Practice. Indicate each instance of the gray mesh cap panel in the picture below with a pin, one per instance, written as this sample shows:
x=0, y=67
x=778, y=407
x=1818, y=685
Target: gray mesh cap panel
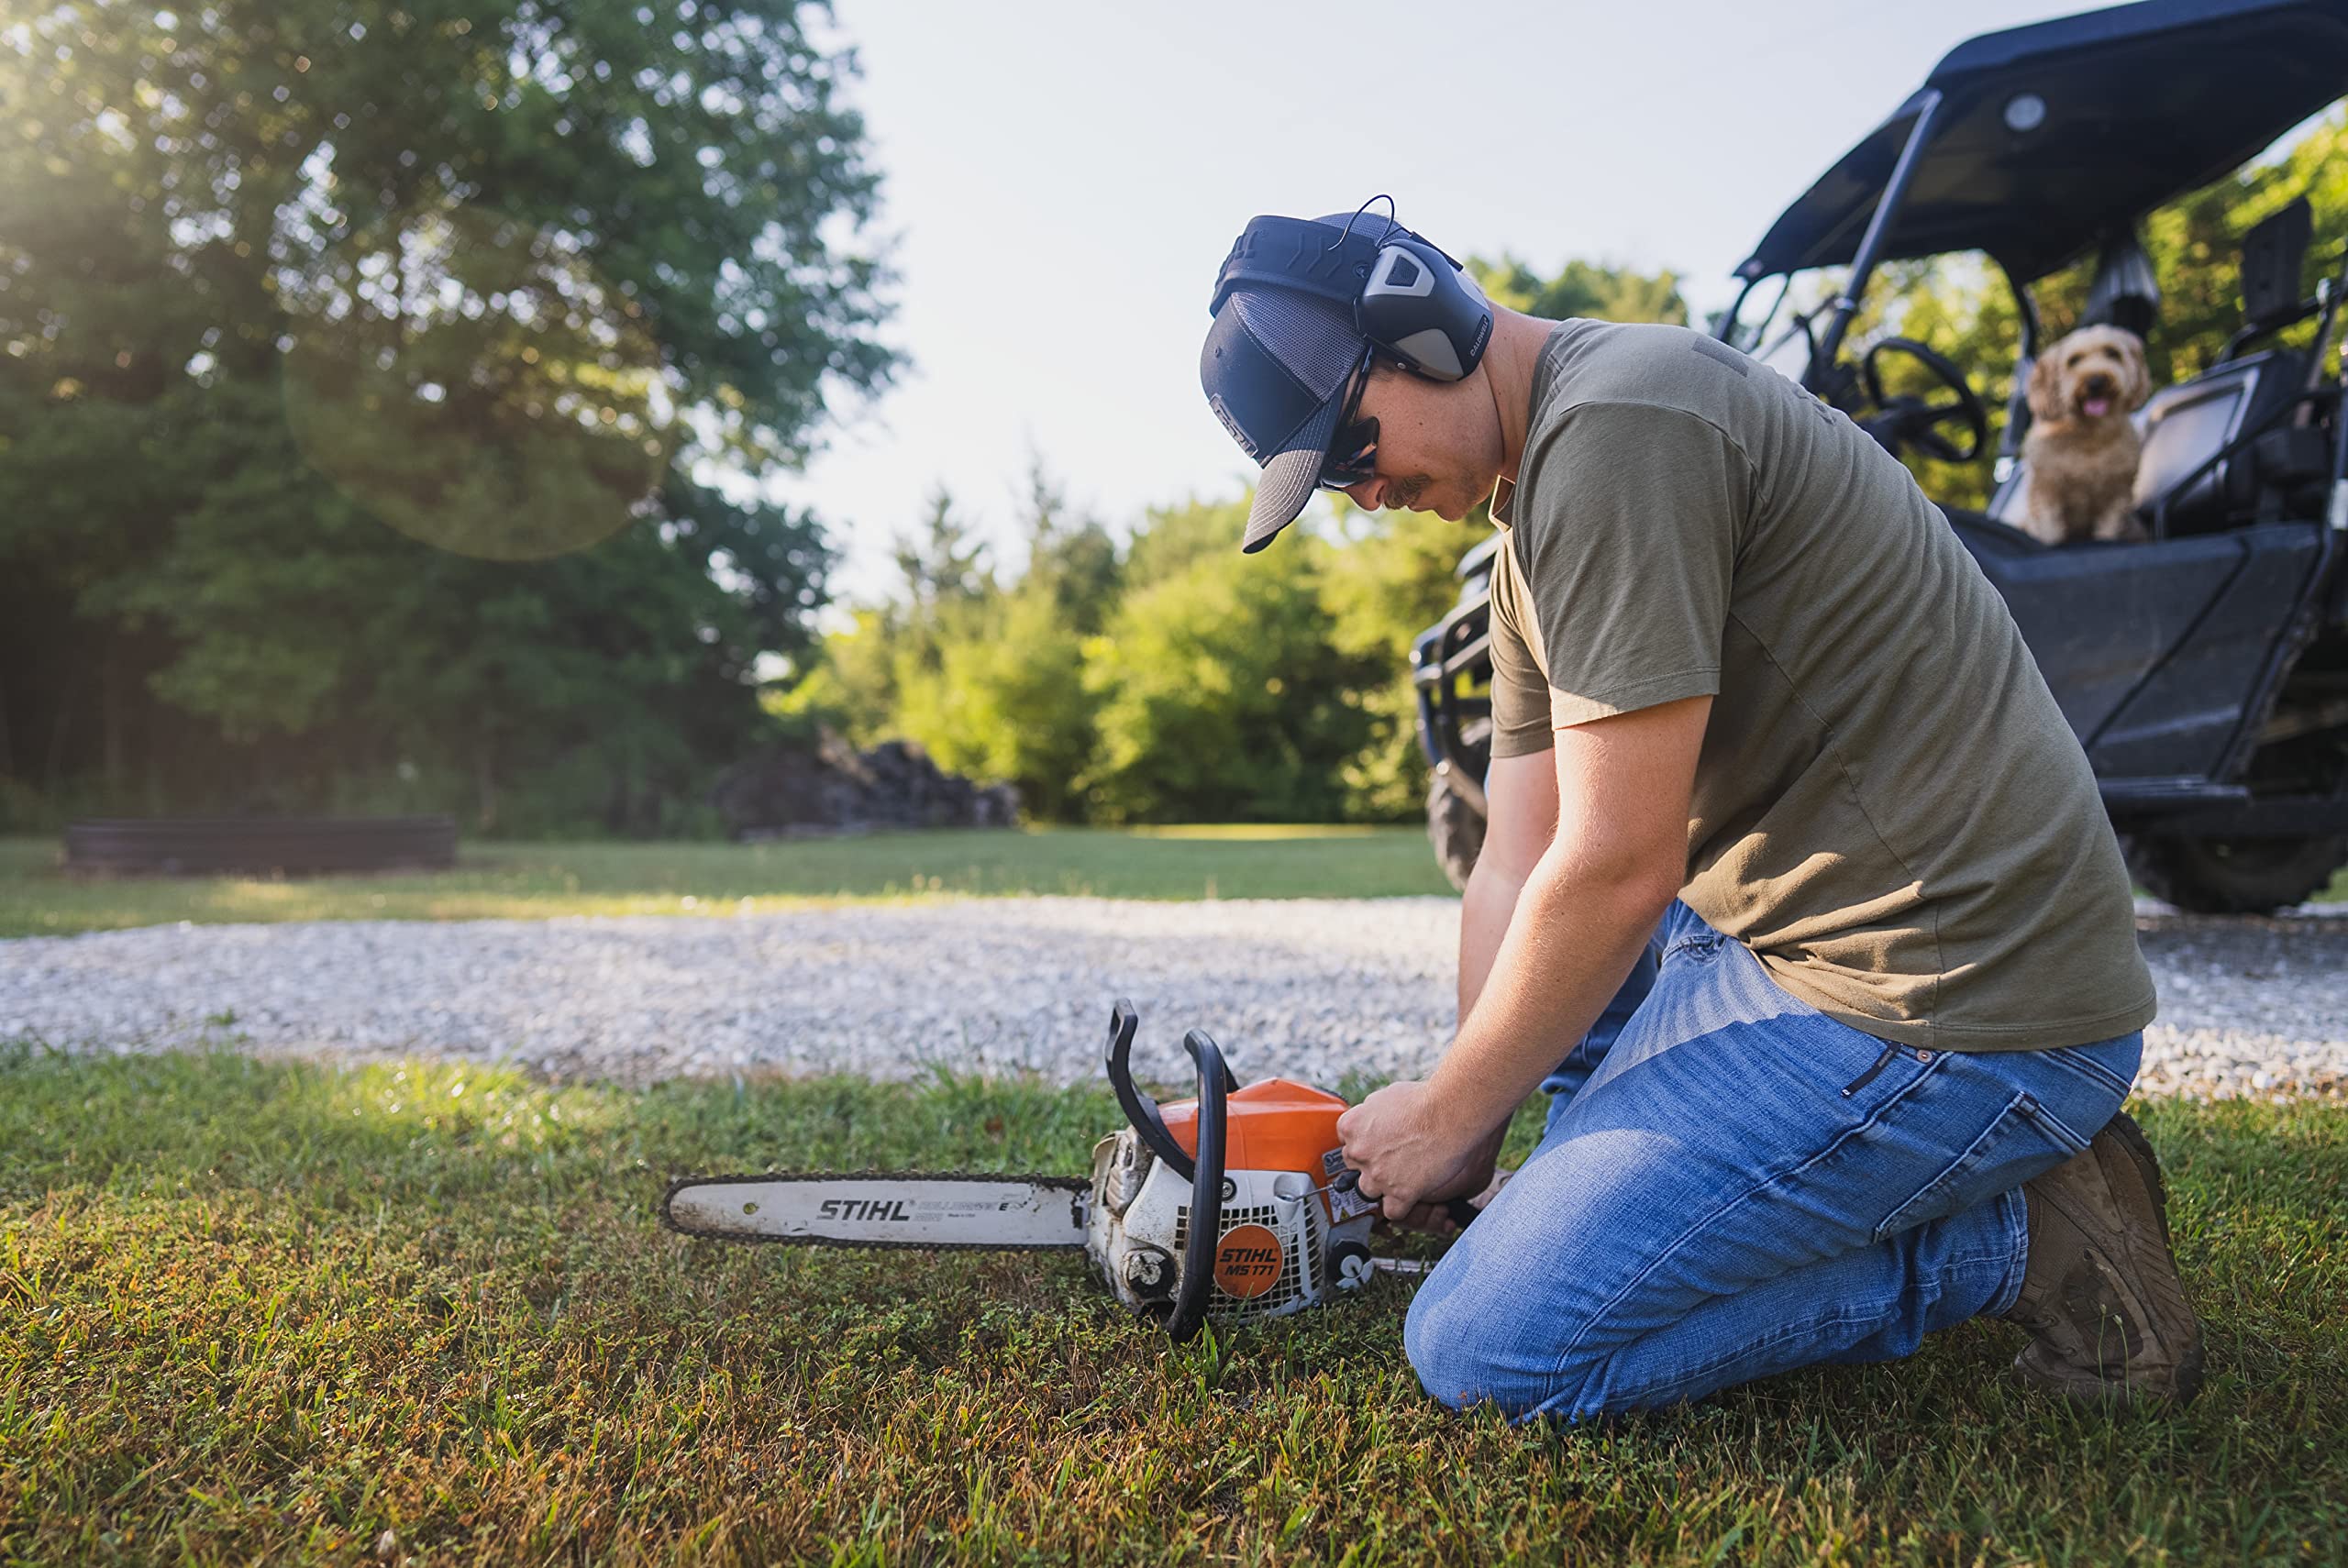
x=1316, y=341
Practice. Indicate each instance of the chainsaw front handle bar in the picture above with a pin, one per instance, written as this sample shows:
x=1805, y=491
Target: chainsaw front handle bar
x=1205, y=1231
x=1141, y=1112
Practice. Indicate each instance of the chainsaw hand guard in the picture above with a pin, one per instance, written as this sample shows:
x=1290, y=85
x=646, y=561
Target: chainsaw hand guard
x=1141, y=1112
x=1188, y=1309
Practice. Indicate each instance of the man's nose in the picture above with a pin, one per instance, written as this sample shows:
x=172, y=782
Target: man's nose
x=1365, y=495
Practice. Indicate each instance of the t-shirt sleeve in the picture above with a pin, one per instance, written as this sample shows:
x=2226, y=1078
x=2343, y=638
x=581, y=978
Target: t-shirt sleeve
x=1520, y=691
x=1628, y=545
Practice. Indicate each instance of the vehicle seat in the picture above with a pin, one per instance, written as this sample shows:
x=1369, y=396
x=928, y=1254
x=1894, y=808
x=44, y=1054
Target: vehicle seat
x=2184, y=424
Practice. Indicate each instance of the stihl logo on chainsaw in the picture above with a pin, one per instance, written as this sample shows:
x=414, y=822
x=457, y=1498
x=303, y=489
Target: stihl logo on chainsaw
x=863, y=1209
x=1247, y=1261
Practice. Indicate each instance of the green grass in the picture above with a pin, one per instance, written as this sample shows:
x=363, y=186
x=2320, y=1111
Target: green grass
x=534, y=881
x=260, y=1311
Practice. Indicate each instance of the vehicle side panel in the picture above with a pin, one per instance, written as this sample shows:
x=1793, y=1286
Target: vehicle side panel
x=2151, y=649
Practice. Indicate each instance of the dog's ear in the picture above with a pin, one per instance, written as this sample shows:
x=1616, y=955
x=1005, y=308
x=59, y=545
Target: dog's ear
x=2139, y=376
x=2046, y=391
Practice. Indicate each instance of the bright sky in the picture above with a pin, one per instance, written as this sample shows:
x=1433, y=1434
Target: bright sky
x=1062, y=180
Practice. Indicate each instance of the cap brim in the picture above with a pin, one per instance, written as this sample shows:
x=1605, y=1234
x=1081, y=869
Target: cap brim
x=1290, y=475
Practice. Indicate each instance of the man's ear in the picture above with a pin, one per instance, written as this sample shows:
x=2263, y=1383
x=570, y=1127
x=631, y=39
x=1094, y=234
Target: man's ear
x=2046, y=387
x=2139, y=375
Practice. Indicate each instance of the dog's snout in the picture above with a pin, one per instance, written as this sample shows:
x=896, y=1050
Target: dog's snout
x=2098, y=384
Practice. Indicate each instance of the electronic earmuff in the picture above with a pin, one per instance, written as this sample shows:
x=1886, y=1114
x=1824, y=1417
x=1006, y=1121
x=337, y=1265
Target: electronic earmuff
x=1410, y=299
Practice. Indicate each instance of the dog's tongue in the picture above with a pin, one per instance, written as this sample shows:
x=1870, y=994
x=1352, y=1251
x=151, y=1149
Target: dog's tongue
x=2096, y=407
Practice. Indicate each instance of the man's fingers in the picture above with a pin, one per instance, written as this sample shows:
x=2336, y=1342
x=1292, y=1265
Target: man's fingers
x=1432, y=1219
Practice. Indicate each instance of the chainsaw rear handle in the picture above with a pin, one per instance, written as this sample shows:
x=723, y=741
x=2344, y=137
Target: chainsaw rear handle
x=1459, y=1209
x=1205, y=1233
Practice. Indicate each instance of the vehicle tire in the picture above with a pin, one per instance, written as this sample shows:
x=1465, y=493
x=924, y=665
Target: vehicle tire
x=2234, y=875
x=1455, y=828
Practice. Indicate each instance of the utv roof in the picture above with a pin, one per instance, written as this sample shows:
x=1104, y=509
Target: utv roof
x=2136, y=103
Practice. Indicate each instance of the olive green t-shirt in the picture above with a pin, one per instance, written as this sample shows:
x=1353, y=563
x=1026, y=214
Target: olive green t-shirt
x=1888, y=809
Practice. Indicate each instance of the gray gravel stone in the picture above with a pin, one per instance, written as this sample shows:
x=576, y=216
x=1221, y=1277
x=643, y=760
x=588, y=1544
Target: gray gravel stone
x=1313, y=989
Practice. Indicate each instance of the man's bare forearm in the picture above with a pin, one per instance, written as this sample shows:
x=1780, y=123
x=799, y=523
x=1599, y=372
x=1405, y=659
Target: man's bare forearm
x=1567, y=938
x=1484, y=911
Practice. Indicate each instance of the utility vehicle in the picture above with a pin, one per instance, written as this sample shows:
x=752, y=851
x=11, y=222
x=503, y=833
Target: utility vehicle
x=2205, y=669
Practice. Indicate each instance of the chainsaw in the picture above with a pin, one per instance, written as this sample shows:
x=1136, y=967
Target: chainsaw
x=1236, y=1205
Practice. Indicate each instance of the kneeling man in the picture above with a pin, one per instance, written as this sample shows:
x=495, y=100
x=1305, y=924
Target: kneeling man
x=1796, y=894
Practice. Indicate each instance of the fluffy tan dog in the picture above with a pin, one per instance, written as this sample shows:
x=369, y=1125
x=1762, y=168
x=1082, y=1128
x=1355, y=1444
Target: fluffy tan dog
x=2081, y=450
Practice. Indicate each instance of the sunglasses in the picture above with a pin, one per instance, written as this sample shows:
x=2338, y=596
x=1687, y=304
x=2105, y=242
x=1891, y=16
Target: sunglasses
x=1353, y=452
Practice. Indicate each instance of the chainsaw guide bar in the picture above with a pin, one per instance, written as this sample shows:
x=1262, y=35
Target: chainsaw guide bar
x=998, y=1212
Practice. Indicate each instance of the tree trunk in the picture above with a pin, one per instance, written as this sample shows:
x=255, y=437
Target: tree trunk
x=485, y=783
x=110, y=718
x=57, y=738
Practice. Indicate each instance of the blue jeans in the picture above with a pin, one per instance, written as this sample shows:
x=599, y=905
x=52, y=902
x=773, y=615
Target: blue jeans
x=1732, y=1183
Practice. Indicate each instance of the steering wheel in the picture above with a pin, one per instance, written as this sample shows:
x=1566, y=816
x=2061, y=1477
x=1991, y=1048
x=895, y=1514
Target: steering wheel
x=1911, y=418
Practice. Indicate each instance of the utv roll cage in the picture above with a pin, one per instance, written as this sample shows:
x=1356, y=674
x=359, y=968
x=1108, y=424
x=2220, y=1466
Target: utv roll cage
x=2205, y=671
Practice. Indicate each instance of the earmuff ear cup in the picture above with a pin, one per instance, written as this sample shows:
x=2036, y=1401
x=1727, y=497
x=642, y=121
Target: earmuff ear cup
x=1423, y=310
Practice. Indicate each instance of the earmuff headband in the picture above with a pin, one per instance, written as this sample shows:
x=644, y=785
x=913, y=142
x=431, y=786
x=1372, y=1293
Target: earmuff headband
x=1292, y=253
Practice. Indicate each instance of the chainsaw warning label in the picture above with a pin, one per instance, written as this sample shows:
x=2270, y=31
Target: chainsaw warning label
x=1344, y=1202
x=1247, y=1261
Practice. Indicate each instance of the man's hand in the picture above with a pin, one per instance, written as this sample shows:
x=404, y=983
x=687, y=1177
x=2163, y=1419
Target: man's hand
x=1411, y=1157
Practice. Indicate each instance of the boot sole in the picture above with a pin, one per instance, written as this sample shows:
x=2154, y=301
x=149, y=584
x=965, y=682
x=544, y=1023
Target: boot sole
x=2158, y=1279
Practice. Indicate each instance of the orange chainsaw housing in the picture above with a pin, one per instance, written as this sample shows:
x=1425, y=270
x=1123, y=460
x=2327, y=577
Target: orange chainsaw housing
x=1273, y=1124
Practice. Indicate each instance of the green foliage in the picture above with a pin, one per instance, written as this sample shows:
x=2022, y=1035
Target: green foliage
x=1186, y=681
x=1396, y=576
x=1582, y=289
x=1007, y=699
x=1222, y=695
x=355, y=376
x=268, y=1311
x=1172, y=539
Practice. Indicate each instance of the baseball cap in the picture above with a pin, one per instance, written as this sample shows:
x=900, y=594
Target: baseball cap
x=1275, y=368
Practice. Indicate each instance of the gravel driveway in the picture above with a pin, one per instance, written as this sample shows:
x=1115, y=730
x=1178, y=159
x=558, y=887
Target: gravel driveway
x=1309, y=987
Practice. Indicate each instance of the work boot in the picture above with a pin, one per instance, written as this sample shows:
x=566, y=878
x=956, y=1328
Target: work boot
x=2100, y=1292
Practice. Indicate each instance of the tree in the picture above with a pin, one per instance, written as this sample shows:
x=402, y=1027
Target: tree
x=1071, y=561
x=424, y=330
x=1222, y=697
x=1582, y=289
x=1393, y=577
x=943, y=562
x=988, y=676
